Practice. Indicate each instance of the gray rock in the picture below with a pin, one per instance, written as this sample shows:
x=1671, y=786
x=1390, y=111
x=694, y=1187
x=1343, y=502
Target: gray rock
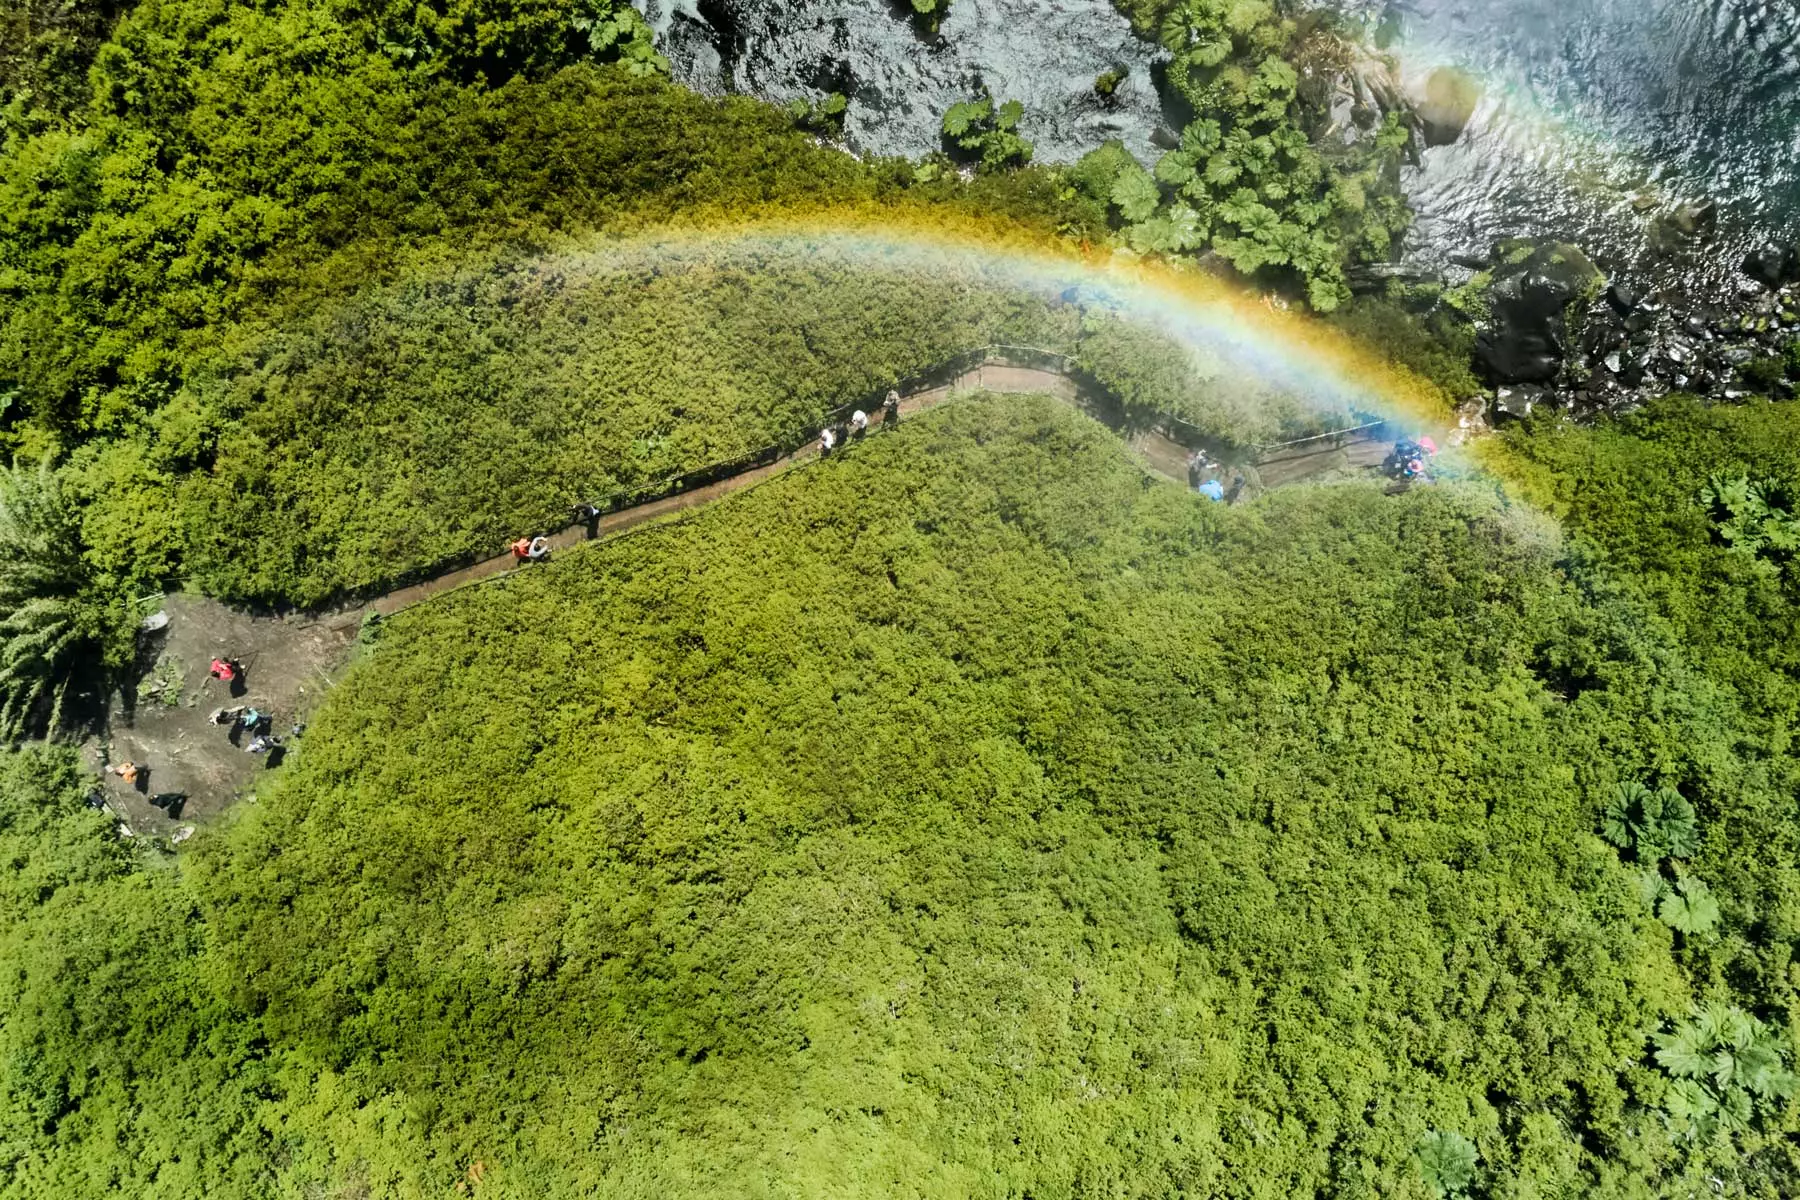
x=1449, y=100
x=1772, y=265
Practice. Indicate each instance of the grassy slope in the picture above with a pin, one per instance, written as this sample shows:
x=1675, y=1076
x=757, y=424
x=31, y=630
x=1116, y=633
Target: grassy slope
x=1003, y=825
x=419, y=422
x=962, y=816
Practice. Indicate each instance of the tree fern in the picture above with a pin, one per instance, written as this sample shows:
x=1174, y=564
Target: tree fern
x=1447, y=1161
x=51, y=625
x=1689, y=907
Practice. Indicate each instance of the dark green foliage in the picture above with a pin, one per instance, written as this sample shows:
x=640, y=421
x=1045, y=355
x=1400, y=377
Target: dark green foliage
x=45, y=51
x=59, y=627
x=1729, y=1070
x=824, y=117
x=1447, y=1161
x=987, y=132
x=491, y=40
x=244, y=161
x=1655, y=824
x=1756, y=517
x=1247, y=181
x=1765, y=374
x=1107, y=82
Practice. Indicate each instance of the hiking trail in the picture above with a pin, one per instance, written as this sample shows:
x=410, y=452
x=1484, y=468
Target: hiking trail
x=291, y=661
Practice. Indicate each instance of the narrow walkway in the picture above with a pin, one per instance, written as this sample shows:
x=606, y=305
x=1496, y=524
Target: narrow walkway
x=1157, y=451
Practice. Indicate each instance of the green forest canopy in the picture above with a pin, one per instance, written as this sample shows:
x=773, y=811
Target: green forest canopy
x=962, y=816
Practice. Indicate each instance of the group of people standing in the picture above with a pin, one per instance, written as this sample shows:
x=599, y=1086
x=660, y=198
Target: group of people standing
x=833, y=436
x=1205, y=476
x=242, y=719
x=1409, y=459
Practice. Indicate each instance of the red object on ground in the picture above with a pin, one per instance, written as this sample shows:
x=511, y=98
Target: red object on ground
x=222, y=670
x=521, y=548
x=1427, y=445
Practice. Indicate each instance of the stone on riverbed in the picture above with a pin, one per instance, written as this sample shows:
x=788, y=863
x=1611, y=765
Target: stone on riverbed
x=1535, y=299
x=1773, y=265
x=1449, y=101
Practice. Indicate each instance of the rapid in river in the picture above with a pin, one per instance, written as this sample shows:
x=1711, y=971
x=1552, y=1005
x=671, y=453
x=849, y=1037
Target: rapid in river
x=1661, y=135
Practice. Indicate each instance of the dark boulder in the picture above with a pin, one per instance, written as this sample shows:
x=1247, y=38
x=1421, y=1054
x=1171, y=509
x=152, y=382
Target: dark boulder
x=1535, y=299
x=1772, y=265
x=1517, y=402
x=1623, y=298
x=1449, y=101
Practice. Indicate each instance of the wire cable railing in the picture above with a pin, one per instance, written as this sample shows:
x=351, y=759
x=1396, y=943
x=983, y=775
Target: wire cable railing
x=946, y=372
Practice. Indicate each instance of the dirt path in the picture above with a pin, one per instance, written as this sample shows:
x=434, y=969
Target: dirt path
x=292, y=661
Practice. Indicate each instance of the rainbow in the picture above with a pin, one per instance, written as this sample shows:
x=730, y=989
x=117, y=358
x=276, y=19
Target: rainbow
x=1238, y=332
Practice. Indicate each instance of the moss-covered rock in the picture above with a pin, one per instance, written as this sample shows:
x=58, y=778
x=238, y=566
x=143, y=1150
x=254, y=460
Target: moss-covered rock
x=1529, y=307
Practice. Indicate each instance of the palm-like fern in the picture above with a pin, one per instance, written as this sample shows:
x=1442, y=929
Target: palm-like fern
x=1447, y=1160
x=1725, y=1064
x=1755, y=516
x=50, y=628
x=1657, y=824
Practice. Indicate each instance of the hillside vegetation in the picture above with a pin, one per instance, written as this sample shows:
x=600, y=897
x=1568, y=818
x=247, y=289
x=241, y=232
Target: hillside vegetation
x=962, y=816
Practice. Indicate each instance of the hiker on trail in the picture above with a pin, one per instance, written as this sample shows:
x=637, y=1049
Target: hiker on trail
x=522, y=549
x=1212, y=489
x=859, y=423
x=262, y=743
x=223, y=669
x=1237, y=487
x=539, y=549
x=827, y=440
x=1405, y=462
x=228, y=716
x=587, y=514
x=890, y=408
x=1196, y=465
x=128, y=772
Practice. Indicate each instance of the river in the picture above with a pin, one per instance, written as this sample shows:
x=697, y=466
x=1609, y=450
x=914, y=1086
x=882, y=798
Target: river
x=1613, y=123
x=1600, y=119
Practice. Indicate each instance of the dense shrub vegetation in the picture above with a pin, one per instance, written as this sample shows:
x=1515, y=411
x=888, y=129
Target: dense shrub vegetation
x=415, y=423
x=411, y=424
x=963, y=815
x=959, y=816
x=1250, y=181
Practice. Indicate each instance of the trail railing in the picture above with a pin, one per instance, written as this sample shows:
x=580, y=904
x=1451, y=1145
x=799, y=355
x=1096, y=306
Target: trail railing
x=1094, y=395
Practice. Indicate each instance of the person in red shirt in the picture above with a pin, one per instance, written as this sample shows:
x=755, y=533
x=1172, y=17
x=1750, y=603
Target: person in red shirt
x=522, y=549
x=223, y=669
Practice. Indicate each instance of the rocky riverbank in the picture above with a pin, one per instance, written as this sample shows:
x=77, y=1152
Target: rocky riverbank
x=1553, y=333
